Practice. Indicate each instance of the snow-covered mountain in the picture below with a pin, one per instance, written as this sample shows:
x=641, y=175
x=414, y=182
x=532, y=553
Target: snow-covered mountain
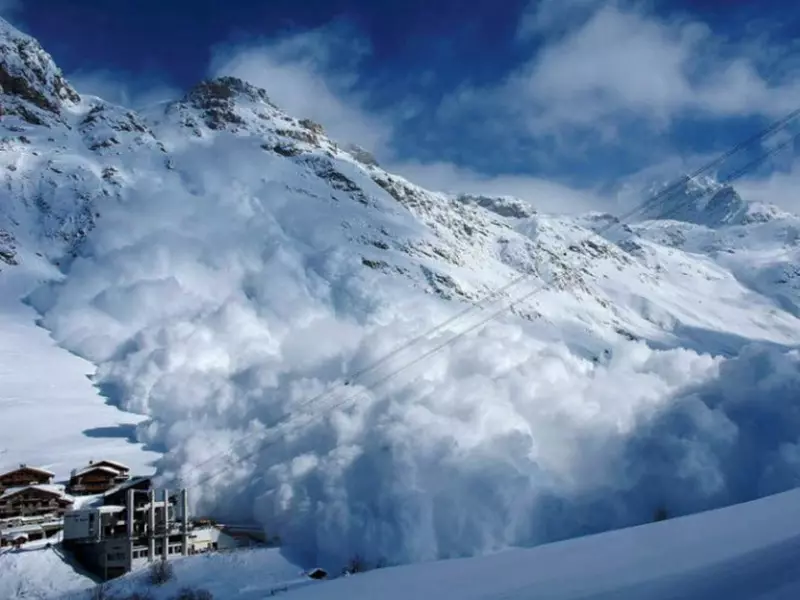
x=234, y=273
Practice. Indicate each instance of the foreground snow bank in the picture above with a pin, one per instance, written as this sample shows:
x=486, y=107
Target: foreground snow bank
x=740, y=553
x=243, y=575
x=38, y=573
x=744, y=552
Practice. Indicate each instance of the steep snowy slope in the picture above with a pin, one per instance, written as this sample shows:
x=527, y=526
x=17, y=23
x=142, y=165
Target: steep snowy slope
x=759, y=244
x=50, y=197
x=232, y=272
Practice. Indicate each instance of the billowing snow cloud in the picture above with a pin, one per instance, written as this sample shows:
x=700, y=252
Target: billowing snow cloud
x=137, y=92
x=226, y=301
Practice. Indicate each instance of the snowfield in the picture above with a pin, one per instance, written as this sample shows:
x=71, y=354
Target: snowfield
x=745, y=552
x=51, y=414
x=39, y=574
x=271, y=304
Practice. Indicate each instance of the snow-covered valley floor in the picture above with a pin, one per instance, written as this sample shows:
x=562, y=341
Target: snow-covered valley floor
x=50, y=413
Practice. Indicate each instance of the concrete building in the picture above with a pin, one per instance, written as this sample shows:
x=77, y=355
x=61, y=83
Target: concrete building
x=119, y=493
x=112, y=539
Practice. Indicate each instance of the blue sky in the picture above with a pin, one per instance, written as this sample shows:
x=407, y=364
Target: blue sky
x=554, y=97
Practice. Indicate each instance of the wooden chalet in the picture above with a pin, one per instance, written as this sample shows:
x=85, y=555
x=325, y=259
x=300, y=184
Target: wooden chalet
x=98, y=477
x=34, y=500
x=112, y=464
x=25, y=475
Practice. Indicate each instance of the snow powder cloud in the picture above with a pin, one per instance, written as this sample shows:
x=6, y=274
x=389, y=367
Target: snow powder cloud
x=218, y=300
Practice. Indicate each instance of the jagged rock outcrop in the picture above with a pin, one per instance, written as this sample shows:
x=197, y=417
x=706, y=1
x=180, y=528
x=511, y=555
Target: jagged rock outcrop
x=32, y=87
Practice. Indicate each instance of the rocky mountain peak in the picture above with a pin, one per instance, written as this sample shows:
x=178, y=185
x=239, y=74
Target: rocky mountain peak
x=222, y=90
x=701, y=200
x=505, y=206
x=217, y=99
x=32, y=87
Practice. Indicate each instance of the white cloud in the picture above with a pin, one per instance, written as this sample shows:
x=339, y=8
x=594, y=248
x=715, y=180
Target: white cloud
x=781, y=188
x=312, y=74
x=622, y=64
x=117, y=88
x=316, y=74
x=548, y=17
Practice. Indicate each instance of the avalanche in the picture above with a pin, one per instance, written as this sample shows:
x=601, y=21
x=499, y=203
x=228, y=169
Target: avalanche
x=228, y=268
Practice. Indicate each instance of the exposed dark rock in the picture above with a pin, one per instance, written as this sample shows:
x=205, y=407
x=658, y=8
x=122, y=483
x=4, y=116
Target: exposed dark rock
x=107, y=143
x=312, y=126
x=217, y=99
x=301, y=136
x=31, y=86
x=361, y=155
x=8, y=253
x=503, y=206
x=283, y=149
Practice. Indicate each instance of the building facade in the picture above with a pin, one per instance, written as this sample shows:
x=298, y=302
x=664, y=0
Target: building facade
x=97, y=477
x=34, y=500
x=112, y=539
x=20, y=530
x=24, y=476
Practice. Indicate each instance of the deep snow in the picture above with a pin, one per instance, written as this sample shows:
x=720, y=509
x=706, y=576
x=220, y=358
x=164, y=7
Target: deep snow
x=39, y=574
x=50, y=413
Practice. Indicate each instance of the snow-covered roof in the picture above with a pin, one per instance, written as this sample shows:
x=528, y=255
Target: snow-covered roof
x=27, y=468
x=113, y=463
x=55, y=490
x=96, y=467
